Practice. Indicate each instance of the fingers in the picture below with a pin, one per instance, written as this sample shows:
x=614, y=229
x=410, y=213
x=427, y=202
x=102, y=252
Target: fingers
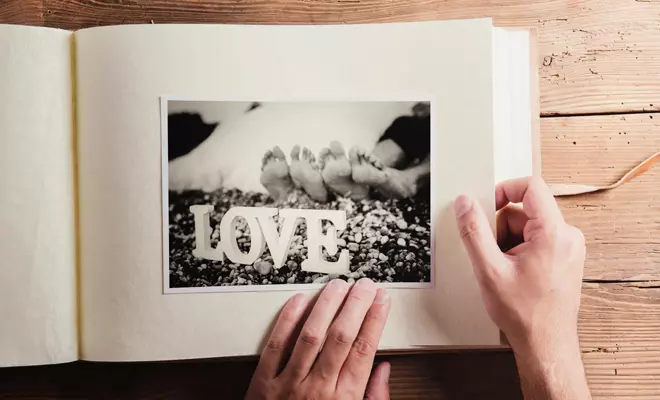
x=314, y=331
x=274, y=352
x=534, y=193
x=345, y=329
x=511, y=222
x=378, y=387
x=477, y=236
x=356, y=368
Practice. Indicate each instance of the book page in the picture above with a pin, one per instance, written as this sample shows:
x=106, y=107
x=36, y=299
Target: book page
x=37, y=234
x=184, y=134
x=515, y=145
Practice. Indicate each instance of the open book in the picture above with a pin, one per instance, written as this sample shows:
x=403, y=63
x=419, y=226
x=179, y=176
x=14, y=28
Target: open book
x=166, y=188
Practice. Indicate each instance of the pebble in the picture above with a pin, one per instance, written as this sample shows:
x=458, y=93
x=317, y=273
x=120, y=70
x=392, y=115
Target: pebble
x=373, y=240
x=401, y=242
x=241, y=281
x=358, y=238
x=350, y=280
x=249, y=268
x=382, y=257
x=353, y=247
x=263, y=267
x=384, y=239
x=341, y=243
x=322, y=279
x=401, y=224
x=353, y=275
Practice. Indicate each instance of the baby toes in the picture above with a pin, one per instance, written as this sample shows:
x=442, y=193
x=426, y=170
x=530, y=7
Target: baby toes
x=295, y=153
x=268, y=156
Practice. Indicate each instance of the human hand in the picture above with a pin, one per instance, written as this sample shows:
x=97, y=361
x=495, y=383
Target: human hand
x=532, y=289
x=332, y=357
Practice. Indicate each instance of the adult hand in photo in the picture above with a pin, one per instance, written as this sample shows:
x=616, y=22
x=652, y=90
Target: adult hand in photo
x=332, y=357
x=530, y=280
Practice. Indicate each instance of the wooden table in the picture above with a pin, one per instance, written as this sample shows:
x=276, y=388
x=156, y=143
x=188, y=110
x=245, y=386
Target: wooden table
x=600, y=103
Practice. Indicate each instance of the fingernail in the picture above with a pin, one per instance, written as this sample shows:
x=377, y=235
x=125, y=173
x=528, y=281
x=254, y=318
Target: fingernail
x=336, y=285
x=462, y=205
x=362, y=282
x=381, y=296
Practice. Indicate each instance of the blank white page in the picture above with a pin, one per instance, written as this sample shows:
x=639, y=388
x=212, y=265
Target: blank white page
x=123, y=72
x=514, y=146
x=37, y=233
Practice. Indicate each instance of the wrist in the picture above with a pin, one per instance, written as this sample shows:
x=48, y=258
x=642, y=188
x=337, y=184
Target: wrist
x=551, y=366
x=547, y=347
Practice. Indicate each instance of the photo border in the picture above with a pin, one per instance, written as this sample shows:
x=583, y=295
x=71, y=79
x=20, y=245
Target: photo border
x=293, y=287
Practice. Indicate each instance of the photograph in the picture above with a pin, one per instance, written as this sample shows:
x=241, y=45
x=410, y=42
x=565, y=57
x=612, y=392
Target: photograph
x=265, y=195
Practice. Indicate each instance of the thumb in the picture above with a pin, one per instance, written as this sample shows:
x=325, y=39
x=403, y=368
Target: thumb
x=477, y=235
x=378, y=387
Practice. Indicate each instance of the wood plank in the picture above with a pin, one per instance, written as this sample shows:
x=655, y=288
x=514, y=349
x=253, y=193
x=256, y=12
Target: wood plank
x=595, y=55
x=620, y=340
x=24, y=12
x=619, y=334
x=622, y=227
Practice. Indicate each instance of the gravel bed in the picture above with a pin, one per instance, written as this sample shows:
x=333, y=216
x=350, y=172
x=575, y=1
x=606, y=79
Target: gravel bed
x=388, y=241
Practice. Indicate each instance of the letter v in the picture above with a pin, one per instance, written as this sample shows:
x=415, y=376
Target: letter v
x=278, y=244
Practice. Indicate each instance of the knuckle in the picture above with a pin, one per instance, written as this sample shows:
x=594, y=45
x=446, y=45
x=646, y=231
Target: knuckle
x=341, y=336
x=310, y=338
x=275, y=344
x=469, y=229
x=372, y=317
x=288, y=315
x=363, y=348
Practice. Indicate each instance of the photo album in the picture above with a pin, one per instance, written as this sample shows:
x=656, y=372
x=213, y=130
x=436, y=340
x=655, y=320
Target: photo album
x=167, y=188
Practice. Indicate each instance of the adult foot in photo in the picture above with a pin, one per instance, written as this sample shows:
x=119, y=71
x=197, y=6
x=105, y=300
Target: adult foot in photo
x=306, y=174
x=336, y=172
x=275, y=174
x=369, y=171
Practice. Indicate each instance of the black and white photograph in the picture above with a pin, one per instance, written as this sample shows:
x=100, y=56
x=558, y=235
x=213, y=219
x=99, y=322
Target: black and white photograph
x=262, y=195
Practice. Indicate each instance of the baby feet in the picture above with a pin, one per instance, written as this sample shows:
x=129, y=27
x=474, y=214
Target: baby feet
x=369, y=171
x=305, y=173
x=275, y=174
x=350, y=176
x=337, y=173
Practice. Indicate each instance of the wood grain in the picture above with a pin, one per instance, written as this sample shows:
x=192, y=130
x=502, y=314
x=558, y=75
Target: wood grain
x=24, y=12
x=622, y=226
x=620, y=339
x=596, y=55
